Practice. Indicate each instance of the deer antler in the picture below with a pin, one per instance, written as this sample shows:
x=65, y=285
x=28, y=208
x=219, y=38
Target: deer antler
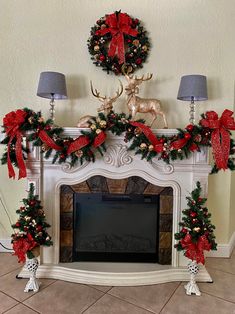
x=96, y=93
x=142, y=79
x=118, y=94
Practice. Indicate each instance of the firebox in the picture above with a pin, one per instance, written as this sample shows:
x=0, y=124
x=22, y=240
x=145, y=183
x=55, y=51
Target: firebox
x=116, y=227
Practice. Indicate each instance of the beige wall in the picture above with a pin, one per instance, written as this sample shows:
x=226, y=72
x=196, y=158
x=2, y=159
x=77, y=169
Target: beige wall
x=187, y=36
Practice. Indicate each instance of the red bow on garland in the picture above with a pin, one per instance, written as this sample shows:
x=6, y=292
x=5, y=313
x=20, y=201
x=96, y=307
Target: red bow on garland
x=195, y=251
x=158, y=145
x=119, y=24
x=220, y=137
x=12, y=123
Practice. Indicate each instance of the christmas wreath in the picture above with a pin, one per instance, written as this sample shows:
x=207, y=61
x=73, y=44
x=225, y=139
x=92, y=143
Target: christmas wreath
x=117, y=39
x=211, y=131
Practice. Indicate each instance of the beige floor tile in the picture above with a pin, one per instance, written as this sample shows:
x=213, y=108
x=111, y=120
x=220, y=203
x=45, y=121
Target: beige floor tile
x=181, y=303
x=8, y=263
x=101, y=288
x=6, y=302
x=64, y=298
x=111, y=305
x=223, y=285
x=15, y=287
x=20, y=309
x=152, y=298
x=224, y=264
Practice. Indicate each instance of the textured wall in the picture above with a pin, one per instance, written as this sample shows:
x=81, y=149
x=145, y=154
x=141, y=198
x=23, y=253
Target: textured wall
x=188, y=37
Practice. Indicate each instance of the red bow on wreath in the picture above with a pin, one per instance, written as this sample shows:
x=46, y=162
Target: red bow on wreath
x=220, y=137
x=119, y=24
x=195, y=251
x=12, y=122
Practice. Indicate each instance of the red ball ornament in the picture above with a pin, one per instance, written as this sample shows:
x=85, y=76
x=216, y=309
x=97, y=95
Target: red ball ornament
x=39, y=228
x=138, y=61
x=193, y=147
x=32, y=203
x=193, y=214
x=17, y=224
x=187, y=136
x=184, y=230
x=195, y=221
x=199, y=199
x=190, y=127
x=47, y=128
x=102, y=57
x=162, y=140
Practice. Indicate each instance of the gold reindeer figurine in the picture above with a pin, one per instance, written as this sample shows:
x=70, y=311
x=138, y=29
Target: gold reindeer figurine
x=142, y=105
x=106, y=106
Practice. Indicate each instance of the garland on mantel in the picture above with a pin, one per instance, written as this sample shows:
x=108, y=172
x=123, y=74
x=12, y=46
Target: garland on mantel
x=211, y=131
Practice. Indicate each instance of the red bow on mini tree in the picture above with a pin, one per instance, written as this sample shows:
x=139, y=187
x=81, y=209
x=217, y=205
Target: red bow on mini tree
x=195, y=251
x=22, y=246
x=12, y=123
x=119, y=24
x=220, y=137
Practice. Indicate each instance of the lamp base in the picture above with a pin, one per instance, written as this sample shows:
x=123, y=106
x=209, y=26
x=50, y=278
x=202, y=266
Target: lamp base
x=192, y=113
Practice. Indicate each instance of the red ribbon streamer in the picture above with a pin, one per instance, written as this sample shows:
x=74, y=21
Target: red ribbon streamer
x=119, y=24
x=48, y=140
x=158, y=146
x=12, y=122
x=79, y=143
x=100, y=139
x=195, y=251
x=220, y=137
x=179, y=143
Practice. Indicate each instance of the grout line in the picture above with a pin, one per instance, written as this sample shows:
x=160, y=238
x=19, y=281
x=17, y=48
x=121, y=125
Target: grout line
x=31, y=308
x=227, y=272
x=220, y=298
x=17, y=305
x=93, y=302
x=127, y=301
x=9, y=296
x=40, y=289
x=11, y=271
x=170, y=297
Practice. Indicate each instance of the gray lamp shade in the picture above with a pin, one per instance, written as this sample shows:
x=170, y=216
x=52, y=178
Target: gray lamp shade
x=193, y=87
x=52, y=84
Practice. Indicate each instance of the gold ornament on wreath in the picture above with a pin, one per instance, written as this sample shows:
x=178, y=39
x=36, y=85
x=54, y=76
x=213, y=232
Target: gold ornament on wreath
x=118, y=39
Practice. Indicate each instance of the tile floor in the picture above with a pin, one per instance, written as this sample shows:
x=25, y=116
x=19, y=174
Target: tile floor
x=67, y=298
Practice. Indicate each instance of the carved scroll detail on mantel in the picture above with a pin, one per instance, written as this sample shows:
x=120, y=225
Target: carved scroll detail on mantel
x=117, y=155
x=66, y=167
x=162, y=167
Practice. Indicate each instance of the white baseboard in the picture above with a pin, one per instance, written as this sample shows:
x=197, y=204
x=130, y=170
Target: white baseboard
x=7, y=244
x=223, y=250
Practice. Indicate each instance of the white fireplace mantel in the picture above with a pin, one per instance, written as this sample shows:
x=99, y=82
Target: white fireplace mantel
x=117, y=163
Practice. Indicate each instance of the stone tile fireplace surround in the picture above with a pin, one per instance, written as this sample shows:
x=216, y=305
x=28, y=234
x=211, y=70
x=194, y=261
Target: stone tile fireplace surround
x=117, y=164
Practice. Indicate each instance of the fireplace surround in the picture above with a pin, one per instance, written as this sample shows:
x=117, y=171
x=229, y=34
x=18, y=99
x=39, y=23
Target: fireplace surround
x=117, y=164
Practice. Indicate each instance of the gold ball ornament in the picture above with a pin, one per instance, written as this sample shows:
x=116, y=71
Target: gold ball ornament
x=79, y=153
x=93, y=126
x=30, y=119
x=197, y=229
x=143, y=146
x=136, y=42
x=144, y=48
x=45, y=147
x=40, y=119
x=103, y=124
x=96, y=48
x=151, y=147
x=98, y=131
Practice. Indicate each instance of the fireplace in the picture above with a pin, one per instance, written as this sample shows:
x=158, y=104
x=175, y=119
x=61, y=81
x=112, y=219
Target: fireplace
x=127, y=220
x=57, y=184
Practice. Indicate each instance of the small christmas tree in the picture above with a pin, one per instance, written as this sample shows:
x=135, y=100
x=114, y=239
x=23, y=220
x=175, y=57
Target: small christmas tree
x=32, y=227
x=197, y=232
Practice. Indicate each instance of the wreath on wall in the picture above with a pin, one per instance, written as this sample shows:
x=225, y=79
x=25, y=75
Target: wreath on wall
x=116, y=40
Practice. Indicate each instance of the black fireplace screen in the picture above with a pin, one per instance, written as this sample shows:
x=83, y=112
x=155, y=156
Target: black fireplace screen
x=116, y=227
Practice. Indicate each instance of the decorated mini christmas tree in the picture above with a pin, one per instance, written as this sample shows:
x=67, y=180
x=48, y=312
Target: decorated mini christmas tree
x=32, y=227
x=197, y=232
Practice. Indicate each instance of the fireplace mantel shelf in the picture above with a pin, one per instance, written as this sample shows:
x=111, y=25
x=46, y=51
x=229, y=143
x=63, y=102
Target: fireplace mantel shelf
x=117, y=163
